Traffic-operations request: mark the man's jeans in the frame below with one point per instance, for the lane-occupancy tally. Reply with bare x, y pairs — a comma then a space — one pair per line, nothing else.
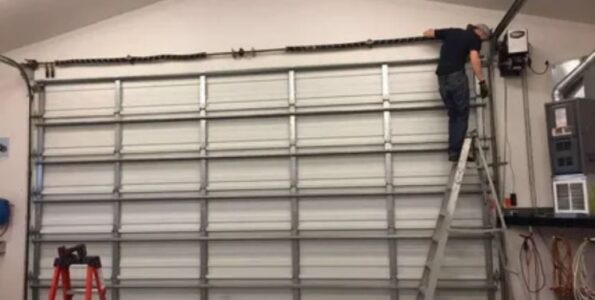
454, 90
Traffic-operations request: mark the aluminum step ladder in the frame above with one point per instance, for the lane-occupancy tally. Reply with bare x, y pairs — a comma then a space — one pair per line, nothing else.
431, 272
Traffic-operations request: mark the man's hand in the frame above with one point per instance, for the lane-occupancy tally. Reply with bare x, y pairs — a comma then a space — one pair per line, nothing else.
430, 33
483, 89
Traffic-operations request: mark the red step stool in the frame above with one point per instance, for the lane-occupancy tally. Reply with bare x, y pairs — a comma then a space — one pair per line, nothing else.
76, 255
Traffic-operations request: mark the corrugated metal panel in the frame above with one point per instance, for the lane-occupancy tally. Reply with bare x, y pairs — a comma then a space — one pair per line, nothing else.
248, 174
360, 213
247, 92
64, 218
463, 259
76, 141
219, 294
165, 137
83, 100
421, 211
346, 295
160, 216
78, 179
167, 96
340, 131
338, 87
151, 260
344, 260
341, 171
413, 83
249, 260
160, 177
240, 215
248, 134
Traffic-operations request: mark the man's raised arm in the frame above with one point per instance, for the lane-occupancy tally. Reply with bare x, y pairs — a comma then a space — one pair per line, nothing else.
476, 64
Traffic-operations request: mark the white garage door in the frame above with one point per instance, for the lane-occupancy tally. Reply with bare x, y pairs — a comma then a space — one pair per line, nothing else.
286, 184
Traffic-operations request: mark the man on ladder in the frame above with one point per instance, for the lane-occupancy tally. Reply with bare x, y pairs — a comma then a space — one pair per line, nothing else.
457, 45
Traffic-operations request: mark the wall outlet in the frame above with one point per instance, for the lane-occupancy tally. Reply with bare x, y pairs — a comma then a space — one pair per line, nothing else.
4, 146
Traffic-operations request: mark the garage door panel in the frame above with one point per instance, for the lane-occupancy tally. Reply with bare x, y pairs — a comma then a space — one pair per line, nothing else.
161, 176
341, 171
158, 294
160, 96
250, 219
247, 92
242, 215
249, 260
420, 127
419, 169
413, 84
463, 259
429, 126
160, 216
160, 260
344, 259
346, 87
447, 295
77, 218
349, 294
456, 295
332, 214
412, 79
97, 99
83, 140
421, 212
78, 179
250, 294
77, 272
44, 294
248, 134
340, 130
235, 174
163, 137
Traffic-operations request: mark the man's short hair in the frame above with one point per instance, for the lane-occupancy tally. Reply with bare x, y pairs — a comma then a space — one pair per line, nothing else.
484, 28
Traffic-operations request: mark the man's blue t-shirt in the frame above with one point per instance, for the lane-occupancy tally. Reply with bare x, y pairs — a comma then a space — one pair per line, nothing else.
456, 45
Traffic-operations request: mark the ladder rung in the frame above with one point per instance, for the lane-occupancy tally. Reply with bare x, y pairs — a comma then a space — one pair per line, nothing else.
474, 230
80, 291
75, 291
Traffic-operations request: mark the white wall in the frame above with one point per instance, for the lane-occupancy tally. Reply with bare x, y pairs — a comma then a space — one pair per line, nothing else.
13, 180
184, 26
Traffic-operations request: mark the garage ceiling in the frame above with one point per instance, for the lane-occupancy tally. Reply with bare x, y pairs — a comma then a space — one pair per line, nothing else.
24, 22
571, 10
